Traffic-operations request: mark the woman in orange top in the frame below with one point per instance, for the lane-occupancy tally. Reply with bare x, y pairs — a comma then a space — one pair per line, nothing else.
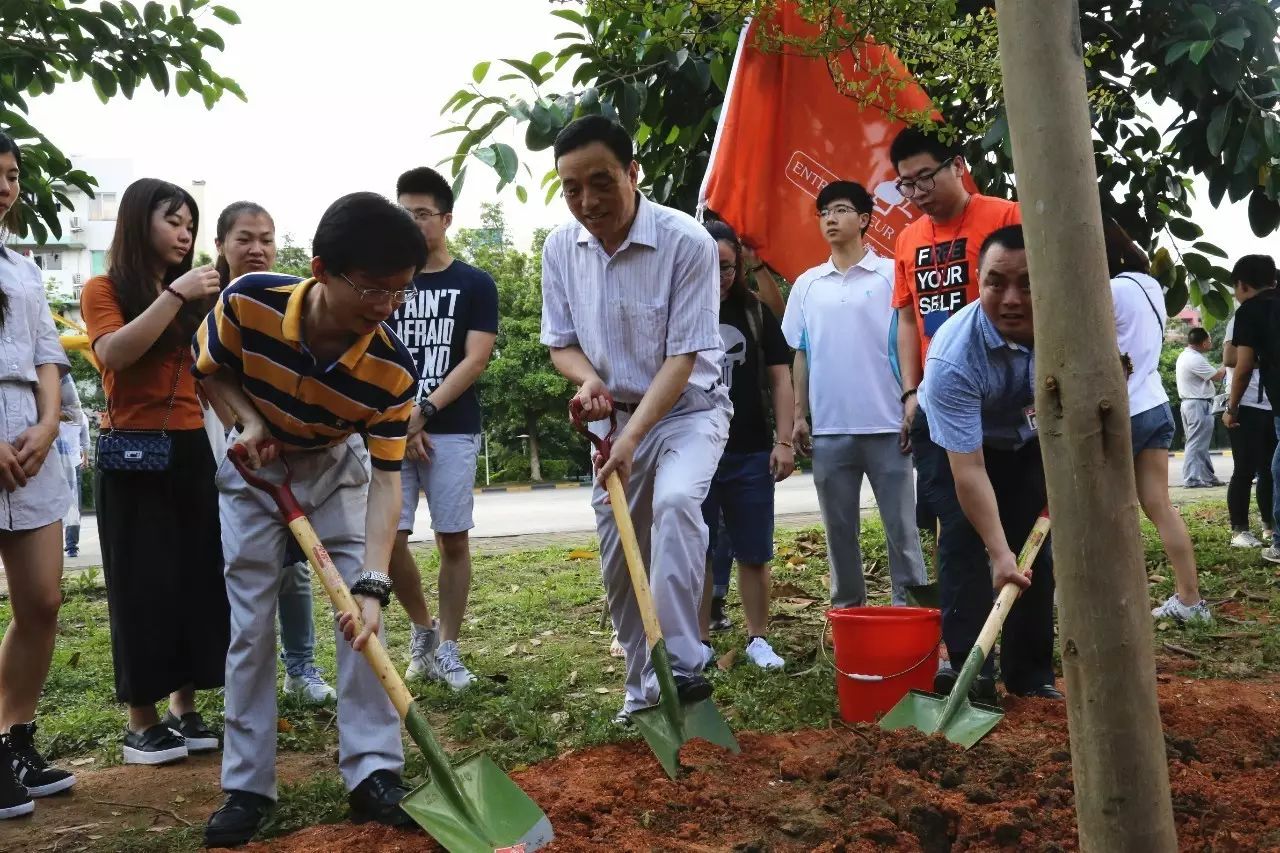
161, 543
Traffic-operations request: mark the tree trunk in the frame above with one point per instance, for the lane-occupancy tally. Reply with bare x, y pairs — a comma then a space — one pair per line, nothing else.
535, 466
1117, 745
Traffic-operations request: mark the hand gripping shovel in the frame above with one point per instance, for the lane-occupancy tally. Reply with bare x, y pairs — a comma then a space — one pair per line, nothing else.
668, 725
955, 716
473, 808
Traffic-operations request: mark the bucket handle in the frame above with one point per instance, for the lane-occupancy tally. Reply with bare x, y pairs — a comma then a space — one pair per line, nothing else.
856, 676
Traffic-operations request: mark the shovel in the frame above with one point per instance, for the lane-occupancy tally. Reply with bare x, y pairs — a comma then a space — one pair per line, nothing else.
471, 808
670, 724
960, 720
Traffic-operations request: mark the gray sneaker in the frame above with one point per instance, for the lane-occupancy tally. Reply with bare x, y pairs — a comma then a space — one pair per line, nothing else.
449, 664
1173, 608
422, 653
1271, 554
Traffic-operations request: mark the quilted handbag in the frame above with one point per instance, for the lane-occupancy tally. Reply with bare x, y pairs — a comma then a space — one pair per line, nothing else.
139, 450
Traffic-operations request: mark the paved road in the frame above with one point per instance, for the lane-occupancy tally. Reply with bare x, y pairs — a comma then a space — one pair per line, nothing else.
537, 514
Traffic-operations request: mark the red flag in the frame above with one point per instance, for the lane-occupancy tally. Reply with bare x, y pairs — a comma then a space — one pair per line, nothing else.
786, 131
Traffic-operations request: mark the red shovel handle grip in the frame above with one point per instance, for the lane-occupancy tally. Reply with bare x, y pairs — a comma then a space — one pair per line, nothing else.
603, 445
281, 492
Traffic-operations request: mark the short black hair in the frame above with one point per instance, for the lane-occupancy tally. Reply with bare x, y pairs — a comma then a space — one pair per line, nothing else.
581, 132
1008, 237
1197, 336
367, 232
427, 181
851, 191
911, 141
1258, 272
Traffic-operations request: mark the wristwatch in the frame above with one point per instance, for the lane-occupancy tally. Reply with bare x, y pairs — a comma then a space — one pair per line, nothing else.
374, 585
429, 409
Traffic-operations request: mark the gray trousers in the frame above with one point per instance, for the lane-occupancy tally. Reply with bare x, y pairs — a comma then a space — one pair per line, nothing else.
1197, 424
333, 488
839, 463
670, 477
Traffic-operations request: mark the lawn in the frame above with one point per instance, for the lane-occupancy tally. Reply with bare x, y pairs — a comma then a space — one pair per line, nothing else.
535, 636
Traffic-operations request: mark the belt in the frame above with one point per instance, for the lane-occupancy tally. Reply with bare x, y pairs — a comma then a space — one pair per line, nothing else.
1202, 399
629, 408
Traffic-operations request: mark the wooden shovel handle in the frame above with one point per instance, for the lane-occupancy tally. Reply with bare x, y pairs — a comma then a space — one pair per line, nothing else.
635, 563
1009, 592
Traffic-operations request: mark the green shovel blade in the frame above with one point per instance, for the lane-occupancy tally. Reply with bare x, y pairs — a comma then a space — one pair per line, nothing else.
969, 723
505, 817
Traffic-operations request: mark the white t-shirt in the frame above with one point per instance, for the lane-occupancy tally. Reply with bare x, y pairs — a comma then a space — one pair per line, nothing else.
1195, 376
1140, 323
1256, 396
844, 324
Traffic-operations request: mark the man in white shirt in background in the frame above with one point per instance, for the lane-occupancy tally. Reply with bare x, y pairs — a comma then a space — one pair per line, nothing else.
841, 323
73, 449
1196, 378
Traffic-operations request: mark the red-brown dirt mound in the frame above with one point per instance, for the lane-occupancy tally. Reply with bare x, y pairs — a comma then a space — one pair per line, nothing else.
861, 789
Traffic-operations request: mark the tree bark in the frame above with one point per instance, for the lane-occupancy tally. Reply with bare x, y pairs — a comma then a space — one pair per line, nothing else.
535, 465
1117, 745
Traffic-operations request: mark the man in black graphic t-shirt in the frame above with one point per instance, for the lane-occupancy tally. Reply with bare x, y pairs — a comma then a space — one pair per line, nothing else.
449, 326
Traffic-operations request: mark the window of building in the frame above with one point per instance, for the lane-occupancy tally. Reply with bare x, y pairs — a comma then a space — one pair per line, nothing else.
53, 261
102, 207
97, 262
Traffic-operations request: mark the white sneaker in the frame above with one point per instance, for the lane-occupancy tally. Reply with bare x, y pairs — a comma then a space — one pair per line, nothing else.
1245, 539
1271, 554
763, 655
449, 664
422, 653
708, 655
310, 687
1173, 608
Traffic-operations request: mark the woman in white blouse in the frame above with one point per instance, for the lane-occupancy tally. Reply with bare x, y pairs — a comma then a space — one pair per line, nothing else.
33, 498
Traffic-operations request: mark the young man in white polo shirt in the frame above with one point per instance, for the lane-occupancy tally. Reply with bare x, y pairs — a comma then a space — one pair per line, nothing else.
630, 310
840, 322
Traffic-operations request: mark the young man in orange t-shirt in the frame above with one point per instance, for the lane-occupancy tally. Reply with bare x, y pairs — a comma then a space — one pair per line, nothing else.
936, 263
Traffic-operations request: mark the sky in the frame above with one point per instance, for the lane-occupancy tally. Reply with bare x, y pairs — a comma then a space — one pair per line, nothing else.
344, 97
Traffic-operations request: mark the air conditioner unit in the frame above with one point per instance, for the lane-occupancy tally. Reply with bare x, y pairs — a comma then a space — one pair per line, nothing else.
76, 278
75, 223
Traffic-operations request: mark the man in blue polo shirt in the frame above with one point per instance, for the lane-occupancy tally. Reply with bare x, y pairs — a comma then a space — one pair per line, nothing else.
979, 455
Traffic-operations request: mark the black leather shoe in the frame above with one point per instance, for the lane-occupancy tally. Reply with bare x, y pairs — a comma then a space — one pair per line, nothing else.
1044, 691
237, 819
378, 798
944, 680
984, 691
692, 688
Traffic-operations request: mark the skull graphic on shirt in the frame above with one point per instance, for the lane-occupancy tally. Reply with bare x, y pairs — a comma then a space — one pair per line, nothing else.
735, 352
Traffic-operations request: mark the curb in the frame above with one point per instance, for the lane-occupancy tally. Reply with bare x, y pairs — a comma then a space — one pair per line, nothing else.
532, 487
1180, 453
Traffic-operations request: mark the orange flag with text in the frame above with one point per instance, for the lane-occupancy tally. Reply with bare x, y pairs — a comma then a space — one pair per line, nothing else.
786, 131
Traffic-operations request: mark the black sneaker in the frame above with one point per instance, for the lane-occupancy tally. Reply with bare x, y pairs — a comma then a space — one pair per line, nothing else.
984, 691
378, 798
1044, 691
945, 679
719, 619
191, 728
29, 766
692, 688
14, 799
157, 745
237, 820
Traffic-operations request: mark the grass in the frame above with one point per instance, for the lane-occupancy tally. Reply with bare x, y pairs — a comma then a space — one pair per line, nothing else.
535, 636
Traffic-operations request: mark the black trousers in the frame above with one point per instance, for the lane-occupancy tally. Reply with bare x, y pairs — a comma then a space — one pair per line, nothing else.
964, 569
1253, 444
162, 562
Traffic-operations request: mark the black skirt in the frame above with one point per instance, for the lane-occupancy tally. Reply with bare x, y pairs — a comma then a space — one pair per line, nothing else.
162, 562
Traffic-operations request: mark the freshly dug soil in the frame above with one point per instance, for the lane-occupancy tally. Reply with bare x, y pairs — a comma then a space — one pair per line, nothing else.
861, 789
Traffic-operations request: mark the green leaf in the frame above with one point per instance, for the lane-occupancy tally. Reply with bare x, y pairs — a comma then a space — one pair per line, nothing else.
1234, 39
457, 182
1216, 133
1216, 305
527, 70
1206, 16
720, 72
1209, 249
481, 69
1185, 229
1176, 51
1198, 265
507, 162
1264, 213
571, 16
522, 194
153, 15
552, 190
1175, 298
227, 16
1200, 50
542, 59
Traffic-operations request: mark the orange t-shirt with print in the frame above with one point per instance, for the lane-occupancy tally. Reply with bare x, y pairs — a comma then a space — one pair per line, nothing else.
139, 395
936, 263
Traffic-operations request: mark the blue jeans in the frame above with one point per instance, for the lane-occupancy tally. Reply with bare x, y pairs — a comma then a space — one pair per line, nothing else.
1275, 478
738, 513
964, 569
72, 531
297, 630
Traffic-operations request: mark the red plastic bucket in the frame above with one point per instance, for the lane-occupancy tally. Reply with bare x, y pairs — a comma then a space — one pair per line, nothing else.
880, 654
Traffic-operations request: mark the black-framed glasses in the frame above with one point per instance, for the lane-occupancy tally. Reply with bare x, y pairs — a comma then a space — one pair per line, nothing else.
377, 294
728, 270
924, 182
422, 214
836, 210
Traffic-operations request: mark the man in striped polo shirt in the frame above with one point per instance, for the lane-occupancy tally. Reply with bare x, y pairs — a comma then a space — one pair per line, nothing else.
310, 368
631, 312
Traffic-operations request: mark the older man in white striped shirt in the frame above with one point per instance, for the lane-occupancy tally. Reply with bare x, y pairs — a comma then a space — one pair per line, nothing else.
630, 310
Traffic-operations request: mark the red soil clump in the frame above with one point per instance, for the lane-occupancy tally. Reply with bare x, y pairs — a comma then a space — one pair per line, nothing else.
860, 789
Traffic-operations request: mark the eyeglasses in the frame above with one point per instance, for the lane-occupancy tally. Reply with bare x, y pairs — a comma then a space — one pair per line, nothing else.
921, 183
421, 214
377, 294
728, 270
836, 210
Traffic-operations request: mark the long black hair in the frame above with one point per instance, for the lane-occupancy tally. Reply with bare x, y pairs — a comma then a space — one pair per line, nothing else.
721, 231
132, 259
8, 146
1123, 254
226, 220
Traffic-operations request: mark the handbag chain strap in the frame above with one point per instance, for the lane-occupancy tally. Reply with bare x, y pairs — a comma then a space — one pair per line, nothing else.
173, 396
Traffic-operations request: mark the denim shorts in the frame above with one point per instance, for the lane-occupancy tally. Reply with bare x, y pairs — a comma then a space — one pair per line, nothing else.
1152, 429
743, 490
